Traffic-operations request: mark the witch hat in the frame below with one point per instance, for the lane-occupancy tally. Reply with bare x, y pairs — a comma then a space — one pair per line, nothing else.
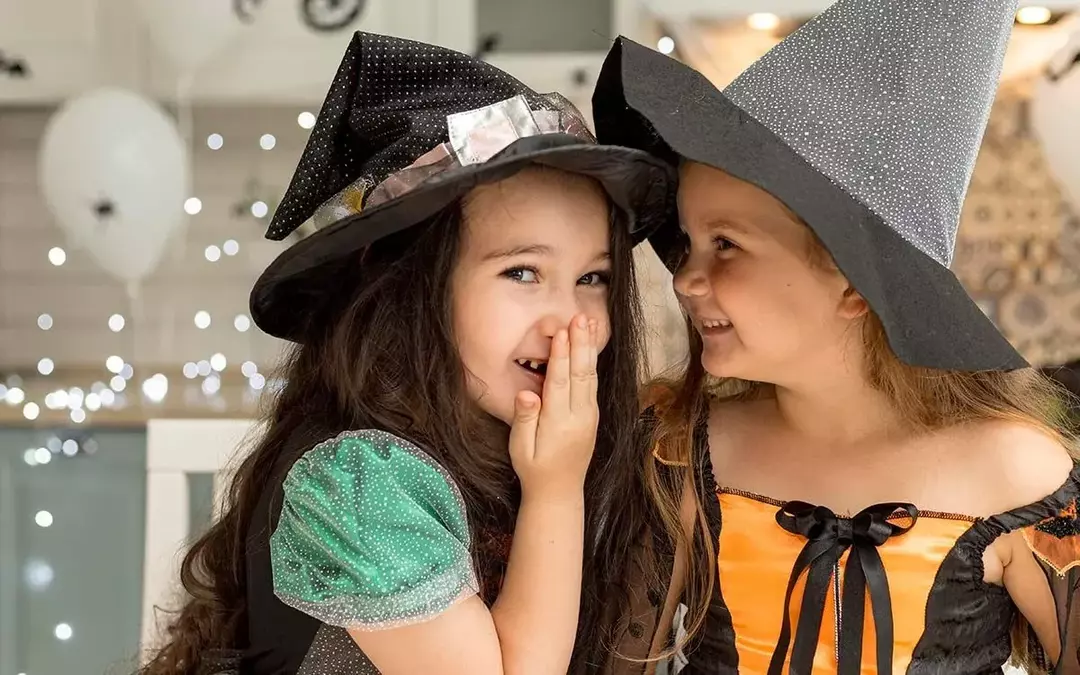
865, 122
405, 130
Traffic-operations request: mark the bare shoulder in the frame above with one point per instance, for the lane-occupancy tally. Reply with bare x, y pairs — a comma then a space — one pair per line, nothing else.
1018, 464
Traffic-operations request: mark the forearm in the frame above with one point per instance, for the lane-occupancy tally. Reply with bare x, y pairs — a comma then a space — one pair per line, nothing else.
1026, 583
536, 613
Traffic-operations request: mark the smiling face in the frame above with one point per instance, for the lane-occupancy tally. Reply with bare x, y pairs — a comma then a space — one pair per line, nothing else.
534, 253
765, 312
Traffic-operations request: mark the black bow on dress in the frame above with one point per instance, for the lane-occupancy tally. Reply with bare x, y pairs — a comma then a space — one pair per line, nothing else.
828, 537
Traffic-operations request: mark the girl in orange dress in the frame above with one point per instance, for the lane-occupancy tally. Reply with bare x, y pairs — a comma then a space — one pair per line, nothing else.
880, 482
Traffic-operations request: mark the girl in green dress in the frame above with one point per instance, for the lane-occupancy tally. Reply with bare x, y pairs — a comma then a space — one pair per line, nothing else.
447, 481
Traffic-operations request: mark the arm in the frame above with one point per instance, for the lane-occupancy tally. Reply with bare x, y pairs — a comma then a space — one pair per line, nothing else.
530, 628
1026, 583
537, 610
374, 537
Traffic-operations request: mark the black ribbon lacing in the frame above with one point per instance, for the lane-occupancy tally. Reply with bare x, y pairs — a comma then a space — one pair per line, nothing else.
828, 537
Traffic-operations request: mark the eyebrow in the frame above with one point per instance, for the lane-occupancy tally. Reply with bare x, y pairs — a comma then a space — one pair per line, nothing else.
728, 224
534, 249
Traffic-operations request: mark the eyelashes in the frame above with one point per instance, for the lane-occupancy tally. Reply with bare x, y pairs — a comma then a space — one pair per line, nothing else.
530, 275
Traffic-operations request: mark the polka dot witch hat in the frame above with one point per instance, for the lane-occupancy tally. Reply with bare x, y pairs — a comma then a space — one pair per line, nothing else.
405, 130
866, 122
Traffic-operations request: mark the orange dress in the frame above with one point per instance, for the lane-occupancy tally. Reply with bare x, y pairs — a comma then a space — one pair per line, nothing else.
890, 590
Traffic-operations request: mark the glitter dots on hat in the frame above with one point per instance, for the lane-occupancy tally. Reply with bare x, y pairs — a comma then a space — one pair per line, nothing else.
889, 100
386, 107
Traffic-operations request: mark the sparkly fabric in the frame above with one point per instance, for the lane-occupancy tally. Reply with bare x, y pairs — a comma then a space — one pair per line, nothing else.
865, 124
475, 137
1056, 540
890, 101
373, 534
388, 106
334, 652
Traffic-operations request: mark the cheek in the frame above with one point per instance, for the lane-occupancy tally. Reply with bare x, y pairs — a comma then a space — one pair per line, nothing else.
596, 307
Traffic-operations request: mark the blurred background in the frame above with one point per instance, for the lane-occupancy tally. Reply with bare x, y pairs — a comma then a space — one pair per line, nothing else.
143, 147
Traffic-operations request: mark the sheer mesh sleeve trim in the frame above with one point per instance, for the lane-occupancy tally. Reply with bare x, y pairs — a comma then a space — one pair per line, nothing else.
373, 534
1056, 540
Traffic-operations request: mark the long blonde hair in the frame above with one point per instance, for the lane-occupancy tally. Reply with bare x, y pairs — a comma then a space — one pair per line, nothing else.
928, 399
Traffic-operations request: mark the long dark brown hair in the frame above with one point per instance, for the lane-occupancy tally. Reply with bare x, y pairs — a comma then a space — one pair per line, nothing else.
380, 353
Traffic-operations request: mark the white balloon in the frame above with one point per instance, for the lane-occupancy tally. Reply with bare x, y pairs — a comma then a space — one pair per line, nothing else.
1055, 118
190, 32
114, 173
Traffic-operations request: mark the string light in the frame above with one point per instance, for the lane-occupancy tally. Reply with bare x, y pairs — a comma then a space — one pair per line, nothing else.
192, 206
156, 388
116, 323
42, 456
218, 362
43, 519
213, 253
231, 247
763, 21
259, 209
215, 141
78, 416
45, 322
665, 45
114, 364
211, 385
118, 384
38, 574
242, 323
306, 120
57, 256
15, 396
267, 141
1034, 15
63, 631
191, 370
249, 368
46, 366
31, 411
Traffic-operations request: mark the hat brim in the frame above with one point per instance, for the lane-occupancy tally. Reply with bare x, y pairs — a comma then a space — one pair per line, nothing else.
639, 184
650, 101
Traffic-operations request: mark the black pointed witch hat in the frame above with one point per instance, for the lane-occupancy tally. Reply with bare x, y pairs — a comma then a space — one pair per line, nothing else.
865, 122
406, 129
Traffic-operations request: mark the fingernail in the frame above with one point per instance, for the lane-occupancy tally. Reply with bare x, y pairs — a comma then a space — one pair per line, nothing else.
581, 322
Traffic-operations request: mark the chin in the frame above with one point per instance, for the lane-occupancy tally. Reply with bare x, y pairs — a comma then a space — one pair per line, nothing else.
500, 407
723, 366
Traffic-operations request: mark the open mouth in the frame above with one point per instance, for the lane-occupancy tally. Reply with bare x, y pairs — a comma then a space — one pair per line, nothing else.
714, 326
534, 367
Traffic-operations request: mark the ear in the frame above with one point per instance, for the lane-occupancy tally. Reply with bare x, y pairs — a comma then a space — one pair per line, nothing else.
852, 305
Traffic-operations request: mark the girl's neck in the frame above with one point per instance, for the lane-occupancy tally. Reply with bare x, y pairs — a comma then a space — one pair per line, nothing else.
840, 410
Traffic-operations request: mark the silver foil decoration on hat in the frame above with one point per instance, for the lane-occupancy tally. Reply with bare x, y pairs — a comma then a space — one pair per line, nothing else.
889, 99
475, 137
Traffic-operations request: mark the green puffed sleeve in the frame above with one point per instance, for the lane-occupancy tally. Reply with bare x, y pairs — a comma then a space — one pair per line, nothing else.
372, 534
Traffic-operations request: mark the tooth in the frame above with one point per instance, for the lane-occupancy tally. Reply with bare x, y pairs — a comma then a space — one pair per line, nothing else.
534, 365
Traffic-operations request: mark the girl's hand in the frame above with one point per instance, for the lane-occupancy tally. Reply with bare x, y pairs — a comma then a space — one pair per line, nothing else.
552, 440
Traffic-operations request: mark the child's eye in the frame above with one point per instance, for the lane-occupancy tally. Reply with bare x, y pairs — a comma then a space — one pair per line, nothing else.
595, 279
522, 275
723, 243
